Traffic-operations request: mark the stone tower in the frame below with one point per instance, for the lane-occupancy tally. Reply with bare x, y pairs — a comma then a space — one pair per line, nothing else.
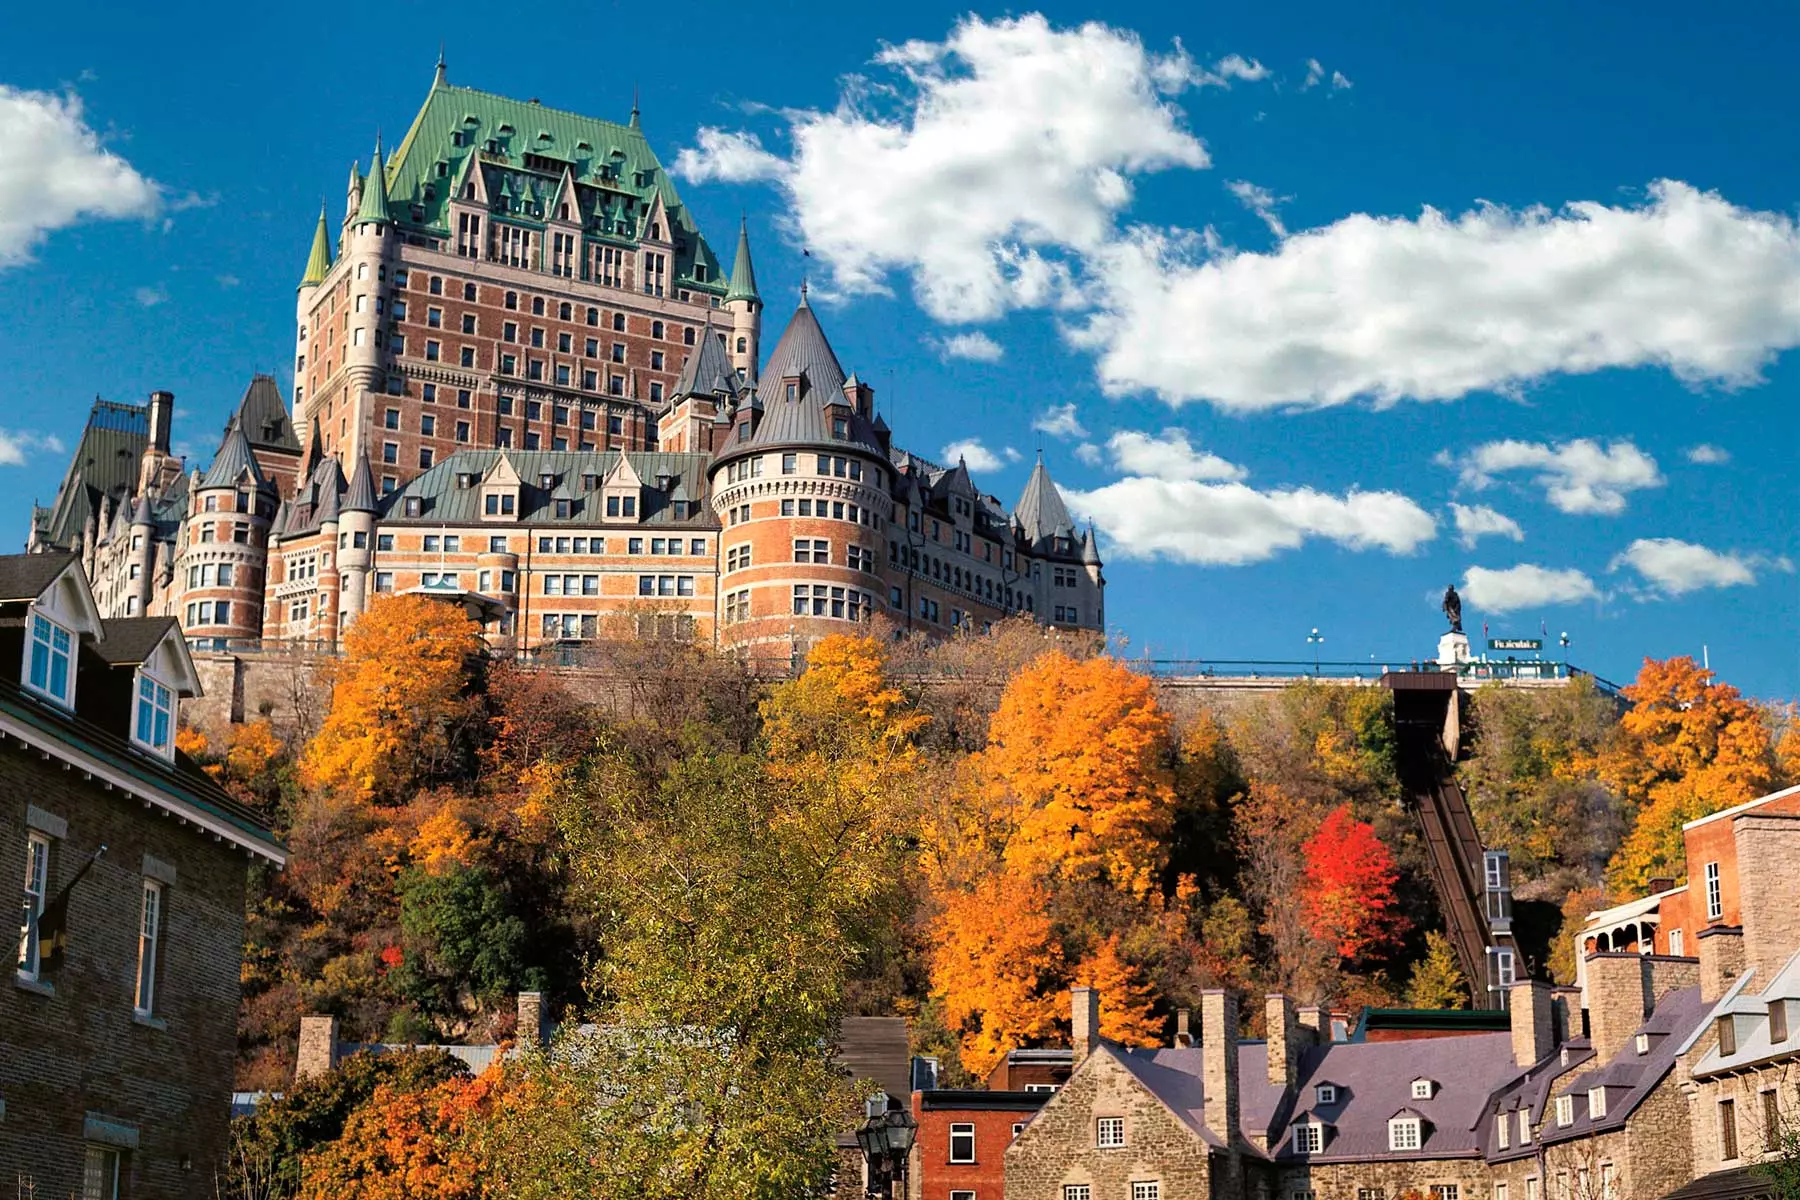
745, 307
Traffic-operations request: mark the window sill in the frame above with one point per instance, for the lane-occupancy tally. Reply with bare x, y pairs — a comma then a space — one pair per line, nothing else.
42, 987
148, 1021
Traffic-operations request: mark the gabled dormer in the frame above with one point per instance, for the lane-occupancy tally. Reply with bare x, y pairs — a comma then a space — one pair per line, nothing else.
565, 205
152, 657
622, 491
49, 597
500, 491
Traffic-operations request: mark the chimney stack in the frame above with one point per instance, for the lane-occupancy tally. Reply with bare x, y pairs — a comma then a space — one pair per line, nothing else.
1533, 1023
1721, 960
1084, 1022
1619, 997
1219, 1064
1184, 1036
318, 1047
531, 1031
162, 415
1288, 1040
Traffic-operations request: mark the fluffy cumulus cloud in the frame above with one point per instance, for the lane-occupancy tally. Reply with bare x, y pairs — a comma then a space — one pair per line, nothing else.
1439, 306
977, 457
1525, 586
1476, 521
1581, 476
17, 445
727, 156
975, 347
1059, 421
1707, 455
1168, 457
1673, 568
979, 164
54, 172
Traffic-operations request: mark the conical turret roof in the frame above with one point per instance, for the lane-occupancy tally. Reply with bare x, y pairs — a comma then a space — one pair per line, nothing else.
318, 264
708, 370
233, 460
743, 272
802, 351
1090, 547
374, 196
1040, 511
361, 496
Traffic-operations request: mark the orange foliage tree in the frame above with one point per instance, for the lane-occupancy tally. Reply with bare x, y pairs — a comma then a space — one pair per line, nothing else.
404, 1144
1082, 750
1127, 1002
1687, 747
996, 965
1349, 890
395, 694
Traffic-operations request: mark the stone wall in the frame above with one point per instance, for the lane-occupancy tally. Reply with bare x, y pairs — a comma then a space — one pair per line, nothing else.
1768, 846
287, 687
1352, 1181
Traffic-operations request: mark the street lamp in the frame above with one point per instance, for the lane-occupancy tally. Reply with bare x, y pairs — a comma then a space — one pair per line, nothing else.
1564, 641
1315, 639
886, 1140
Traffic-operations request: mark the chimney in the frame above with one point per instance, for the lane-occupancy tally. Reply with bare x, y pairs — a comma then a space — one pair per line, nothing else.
532, 1030
162, 415
1768, 905
1184, 1036
1287, 1040
1619, 997
1660, 884
1721, 960
1533, 1022
1219, 1063
318, 1047
1313, 1017
1084, 1022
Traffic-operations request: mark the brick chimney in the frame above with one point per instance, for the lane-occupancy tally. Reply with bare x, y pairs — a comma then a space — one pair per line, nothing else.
1768, 905
318, 1047
1084, 1022
1533, 1022
1219, 1063
532, 1030
1184, 1036
1721, 960
1619, 997
1288, 1040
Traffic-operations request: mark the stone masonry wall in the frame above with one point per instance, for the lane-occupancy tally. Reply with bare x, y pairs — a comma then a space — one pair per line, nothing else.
1349, 1181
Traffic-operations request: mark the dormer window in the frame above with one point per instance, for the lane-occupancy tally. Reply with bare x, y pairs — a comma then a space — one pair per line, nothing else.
791, 390
1325, 1093
1565, 1111
840, 428
1778, 1022
1404, 1133
499, 504
1502, 1130
153, 717
1309, 1138
590, 482
49, 667
546, 481
1596, 1103
1423, 1089
412, 506
1727, 1036
1643, 1043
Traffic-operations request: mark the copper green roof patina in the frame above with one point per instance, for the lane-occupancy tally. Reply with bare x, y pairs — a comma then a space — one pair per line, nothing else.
522, 149
743, 273
375, 192
318, 264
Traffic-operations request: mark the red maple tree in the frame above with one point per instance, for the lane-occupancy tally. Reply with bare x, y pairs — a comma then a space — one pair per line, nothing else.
1349, 889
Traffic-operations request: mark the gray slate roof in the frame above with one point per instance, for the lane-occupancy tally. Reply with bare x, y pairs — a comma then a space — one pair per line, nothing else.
444, 500
263, 416
360, 496
129, 640
803, 352
234, 460
1040, 510
708, 370
105, 463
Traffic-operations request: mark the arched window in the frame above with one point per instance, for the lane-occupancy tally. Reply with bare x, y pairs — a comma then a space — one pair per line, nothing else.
743, 345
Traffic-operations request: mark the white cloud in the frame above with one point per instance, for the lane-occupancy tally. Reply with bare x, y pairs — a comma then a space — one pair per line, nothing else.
727, 156
150, 297
1232, 66
1707, 455
1674, 567
976, 347
1340, 81
1090, 454
18, 445
1168, 457
1478, 521
1525, 586
1315, 74
977, 457
1577, 477
1233, 523
1261, 201
1059, 421
227, 281
996, 154
1434, 308
54, 172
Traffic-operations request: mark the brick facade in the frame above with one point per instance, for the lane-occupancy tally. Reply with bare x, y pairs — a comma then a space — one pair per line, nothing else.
944, 1167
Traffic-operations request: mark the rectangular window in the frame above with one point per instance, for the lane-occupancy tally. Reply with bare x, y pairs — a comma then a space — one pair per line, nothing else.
1565, 1111
1500, 1191
148, 930
1308, 1139
1596, 1103
1715, 902
1372, 1193
962, 1143
1727, 1036
1778, 1022
1728, 1137
100, 1173
37, 886
1502, 1131
1077, 1191
1109, 1132
1403, 1133
1146, 1189
51, 650
1445, 1191
1771, 1102
155, 716
1524, 1127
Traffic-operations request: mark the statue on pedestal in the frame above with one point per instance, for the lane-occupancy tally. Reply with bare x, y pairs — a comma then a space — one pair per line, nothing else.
1453, 609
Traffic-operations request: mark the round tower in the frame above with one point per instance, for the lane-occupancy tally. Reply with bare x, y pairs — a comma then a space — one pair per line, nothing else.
356, 545
220, 571
745, 309
140, 559
368, 244
801, 490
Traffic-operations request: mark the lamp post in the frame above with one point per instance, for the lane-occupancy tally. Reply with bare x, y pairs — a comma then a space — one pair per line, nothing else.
1315, 639
886, 1140
1564, 642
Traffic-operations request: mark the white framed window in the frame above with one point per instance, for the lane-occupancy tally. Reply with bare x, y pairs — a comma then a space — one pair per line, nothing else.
100, 1173
1596, 1103
1500, 1190
1018, 1128
1403, 1133
1445, 1191
1040, 1087
1609, 1182
962, 1143
1502, 1132
1077, 1191
37, 885
1565, 1111
149, 932
1676, 943
1146, 1189
1533, 1188
1524, 1127
153, 723
1422, 1089
1109, 1132
1643, 1043
50, 661
1325, 1093
1715, 901
1309, 1138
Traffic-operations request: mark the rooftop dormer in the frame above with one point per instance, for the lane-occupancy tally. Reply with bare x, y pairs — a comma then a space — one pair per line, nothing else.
48, 595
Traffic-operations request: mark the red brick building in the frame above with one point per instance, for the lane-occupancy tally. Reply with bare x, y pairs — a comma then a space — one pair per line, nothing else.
960, 1152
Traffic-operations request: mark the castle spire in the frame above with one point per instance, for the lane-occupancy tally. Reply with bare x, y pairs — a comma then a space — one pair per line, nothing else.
374, 206
743, 272
440, 77
319, 263
634, 107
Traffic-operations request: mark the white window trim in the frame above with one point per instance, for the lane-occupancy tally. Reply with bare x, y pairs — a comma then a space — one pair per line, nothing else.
1309, 1137
1502, 1132
35, 844
1325, 1093
1715, 895
1596, 1098
1524, 1127
1422, 1089
1104, 1123
150, 922
33, 616
1565, 1111
167, 748
1399, 1127
962, 1129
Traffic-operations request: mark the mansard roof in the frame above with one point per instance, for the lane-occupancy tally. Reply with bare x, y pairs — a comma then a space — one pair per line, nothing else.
617, 175
319, 498
234, 461
445, 498
105, 463
263, 416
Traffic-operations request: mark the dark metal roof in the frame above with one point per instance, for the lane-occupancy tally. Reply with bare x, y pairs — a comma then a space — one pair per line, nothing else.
1739, 1183
129, 640
25, 576
263, 416
1040, 510
234, 460
1429, 1020
876, 1048
360, 497
708, 370
443, 498
105, 463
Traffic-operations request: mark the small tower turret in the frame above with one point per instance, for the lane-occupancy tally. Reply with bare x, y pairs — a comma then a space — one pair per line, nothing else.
356, 544
745, 307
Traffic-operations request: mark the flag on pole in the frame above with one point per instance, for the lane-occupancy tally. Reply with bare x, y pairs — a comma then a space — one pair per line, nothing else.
53, 924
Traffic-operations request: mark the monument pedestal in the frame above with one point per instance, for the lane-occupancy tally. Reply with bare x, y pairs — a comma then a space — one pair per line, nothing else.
1453, 651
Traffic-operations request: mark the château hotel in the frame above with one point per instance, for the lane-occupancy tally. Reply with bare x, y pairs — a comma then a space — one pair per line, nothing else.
523, 382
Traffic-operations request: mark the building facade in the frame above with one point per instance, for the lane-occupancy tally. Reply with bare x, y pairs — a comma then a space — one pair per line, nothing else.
118, 1032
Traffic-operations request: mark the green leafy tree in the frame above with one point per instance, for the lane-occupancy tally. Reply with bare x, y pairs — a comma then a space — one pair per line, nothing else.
460, 937
1437, 980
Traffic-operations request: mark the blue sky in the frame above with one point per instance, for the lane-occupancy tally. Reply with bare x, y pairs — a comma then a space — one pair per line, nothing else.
1282, 374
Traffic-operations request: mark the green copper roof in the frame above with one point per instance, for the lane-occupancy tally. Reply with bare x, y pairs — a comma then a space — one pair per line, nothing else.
743, 274
521, 149
375, 192
319, 263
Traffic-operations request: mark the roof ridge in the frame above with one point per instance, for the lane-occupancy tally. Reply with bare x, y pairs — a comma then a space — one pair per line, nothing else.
566, 112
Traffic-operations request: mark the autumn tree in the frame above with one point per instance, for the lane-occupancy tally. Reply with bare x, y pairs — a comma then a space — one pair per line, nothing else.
1349, 890
396, 694
1081, 749
403, 1143
997, 967
1127, 1002
1437, 979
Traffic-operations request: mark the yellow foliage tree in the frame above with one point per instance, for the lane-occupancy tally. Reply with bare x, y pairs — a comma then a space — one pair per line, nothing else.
1082, 750
1127, 1002
404, 1145
395, 694
1686, 748
996, 966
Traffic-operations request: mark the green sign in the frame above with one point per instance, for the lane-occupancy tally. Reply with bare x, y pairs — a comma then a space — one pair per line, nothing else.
1515, 644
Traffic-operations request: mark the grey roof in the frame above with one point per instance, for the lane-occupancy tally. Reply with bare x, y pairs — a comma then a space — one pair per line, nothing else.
361, 494
263, 416
708, 370
129, 640
803, 352
444, 499
234, 460
25, 576
1174, 1077
876, 1048
1090, 547
1040, 510
316, 500
105, 463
